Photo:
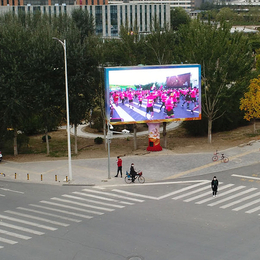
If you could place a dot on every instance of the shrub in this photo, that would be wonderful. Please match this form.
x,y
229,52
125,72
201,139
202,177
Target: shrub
x,y
44,138
98,140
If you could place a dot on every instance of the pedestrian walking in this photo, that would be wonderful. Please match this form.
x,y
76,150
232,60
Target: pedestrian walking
x,y
119,166
214,186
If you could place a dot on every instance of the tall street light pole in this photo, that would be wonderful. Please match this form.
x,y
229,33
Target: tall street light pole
x,y
67,104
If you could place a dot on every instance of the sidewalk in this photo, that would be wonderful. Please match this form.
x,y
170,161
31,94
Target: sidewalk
x,y
156,166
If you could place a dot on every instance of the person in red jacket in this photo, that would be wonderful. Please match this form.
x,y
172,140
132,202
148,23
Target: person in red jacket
x,y
119,166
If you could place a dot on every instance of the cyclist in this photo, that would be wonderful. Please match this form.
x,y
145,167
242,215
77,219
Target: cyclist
x,y
133,173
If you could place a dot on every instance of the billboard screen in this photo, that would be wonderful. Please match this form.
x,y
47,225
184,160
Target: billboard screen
x,y
153,94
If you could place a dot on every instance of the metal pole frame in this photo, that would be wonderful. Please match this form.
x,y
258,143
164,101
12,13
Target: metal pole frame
x,y
67,104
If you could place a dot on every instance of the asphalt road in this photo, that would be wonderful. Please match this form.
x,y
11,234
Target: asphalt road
x,y
176,219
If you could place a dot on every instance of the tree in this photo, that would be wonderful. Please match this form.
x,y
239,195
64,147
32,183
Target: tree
x,y
225,59
14,85
226,14
160,45
84,22
250,103
178,17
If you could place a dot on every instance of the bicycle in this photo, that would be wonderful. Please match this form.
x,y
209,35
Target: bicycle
x,y
217,157
139,177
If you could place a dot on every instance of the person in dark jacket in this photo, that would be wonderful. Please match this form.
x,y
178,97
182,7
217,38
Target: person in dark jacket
x,y
133,173
214,186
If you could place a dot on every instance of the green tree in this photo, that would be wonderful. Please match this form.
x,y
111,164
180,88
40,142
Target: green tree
x,y
178,17
84,22
226,14
160,46
225,59
14,86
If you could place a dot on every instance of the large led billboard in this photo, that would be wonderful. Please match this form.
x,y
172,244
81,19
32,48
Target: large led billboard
x,y
153,94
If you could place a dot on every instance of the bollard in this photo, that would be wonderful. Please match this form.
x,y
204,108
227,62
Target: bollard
x,y
41,177
66,178
15,176
56,178
28,177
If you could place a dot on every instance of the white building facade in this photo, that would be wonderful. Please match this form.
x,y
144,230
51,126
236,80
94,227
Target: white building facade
x,y
109,18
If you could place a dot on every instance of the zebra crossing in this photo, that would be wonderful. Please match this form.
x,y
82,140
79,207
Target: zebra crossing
x,y
58,212
236,198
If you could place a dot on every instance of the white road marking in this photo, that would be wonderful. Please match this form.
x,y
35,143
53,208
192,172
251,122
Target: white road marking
x,y
231,197
102,198
63,211
207,193
49,214
2,195
28,230
192,192
134,194
221,194
253,210
7,241
93,201
27,222
111,194
183,189
37,218
246,177
247,205
82,204
70,207
240,200
21,192
14,234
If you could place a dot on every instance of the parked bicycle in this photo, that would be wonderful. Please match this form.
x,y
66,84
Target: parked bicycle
x,y
217,157
139,176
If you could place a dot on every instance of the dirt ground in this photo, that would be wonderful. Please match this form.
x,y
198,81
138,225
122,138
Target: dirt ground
x,y
177,142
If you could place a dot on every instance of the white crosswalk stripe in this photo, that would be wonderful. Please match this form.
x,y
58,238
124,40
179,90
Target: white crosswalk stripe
x,y
184,189
240,200
12,234
27,222
207,194
81,205
93,201
229,196
37,218
49,214
28,230
221,194
62,211
111,195
102,198
71,207
7,241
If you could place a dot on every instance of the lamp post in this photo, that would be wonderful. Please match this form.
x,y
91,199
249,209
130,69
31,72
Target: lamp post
x,y
67,104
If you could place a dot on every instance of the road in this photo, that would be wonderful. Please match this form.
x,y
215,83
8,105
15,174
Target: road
x,y
176,219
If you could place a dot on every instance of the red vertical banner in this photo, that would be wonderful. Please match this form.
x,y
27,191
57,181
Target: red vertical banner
x,y
154,137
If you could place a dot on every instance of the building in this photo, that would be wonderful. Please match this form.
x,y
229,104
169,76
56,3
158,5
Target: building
x,y
186,4
49,2
108,18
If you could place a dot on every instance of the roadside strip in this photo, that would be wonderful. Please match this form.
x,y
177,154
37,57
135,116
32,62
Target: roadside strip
x,y
209,165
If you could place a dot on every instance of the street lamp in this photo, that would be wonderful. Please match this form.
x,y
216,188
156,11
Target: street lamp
x,y
67,104
109,137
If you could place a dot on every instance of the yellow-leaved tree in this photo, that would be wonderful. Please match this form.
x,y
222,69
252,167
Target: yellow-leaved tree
x,y
250,103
